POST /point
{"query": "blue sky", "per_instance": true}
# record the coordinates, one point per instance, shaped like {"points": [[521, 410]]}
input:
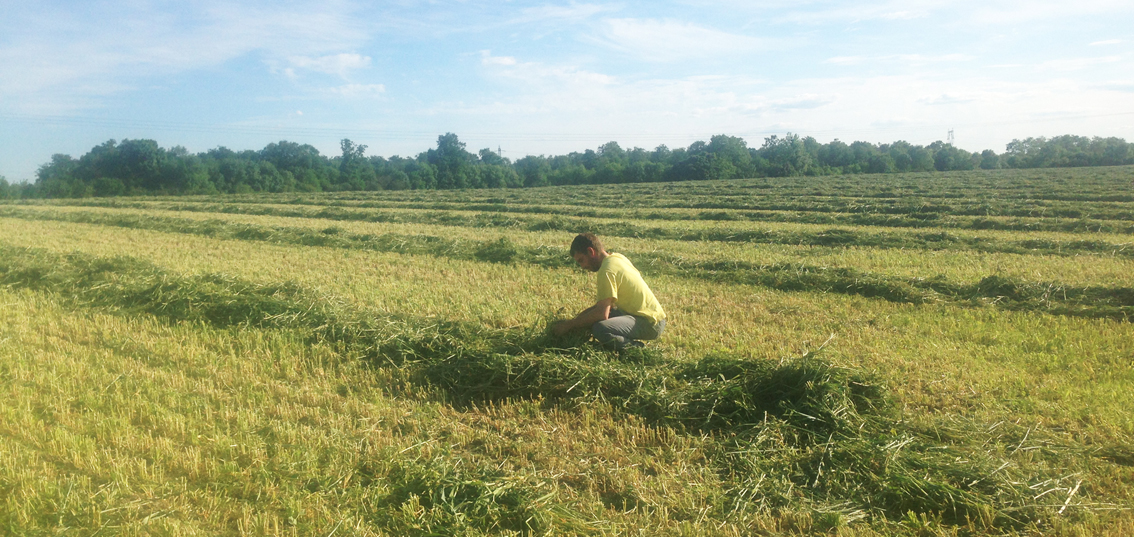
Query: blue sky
{"points": [[554, 77]]}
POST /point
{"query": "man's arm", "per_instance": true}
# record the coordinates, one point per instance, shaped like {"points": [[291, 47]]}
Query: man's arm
{"points": [[599, 312]]}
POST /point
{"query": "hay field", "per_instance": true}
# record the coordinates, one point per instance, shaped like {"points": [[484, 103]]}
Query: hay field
{"points": [[922, 354]]}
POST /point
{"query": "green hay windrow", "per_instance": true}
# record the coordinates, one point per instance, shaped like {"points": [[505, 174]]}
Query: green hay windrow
{"points": [[506, 218], [1064, 200], [1049, 297]]}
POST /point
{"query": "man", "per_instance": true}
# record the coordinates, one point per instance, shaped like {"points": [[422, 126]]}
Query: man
{"points": [[626, 311]]}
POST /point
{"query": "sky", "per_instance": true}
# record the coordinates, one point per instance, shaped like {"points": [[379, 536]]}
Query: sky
{"points": [[530, 77]]}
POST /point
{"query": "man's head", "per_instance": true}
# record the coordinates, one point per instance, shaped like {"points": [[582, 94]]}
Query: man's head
{"points": [[588, 251]]}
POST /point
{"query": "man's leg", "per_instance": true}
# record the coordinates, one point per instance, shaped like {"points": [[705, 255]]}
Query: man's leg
{"points": [[622, 329], [614, 331]]}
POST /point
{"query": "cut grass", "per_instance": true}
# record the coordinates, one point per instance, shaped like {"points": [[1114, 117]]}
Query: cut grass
{"points": [[1069, 199], [939, 239], [1081, 270], [1067, 373], [188, 427], [803, 425], [1050, 297]]}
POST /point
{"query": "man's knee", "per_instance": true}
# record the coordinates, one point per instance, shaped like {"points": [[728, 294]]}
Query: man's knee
{"points": [[604, 333]]}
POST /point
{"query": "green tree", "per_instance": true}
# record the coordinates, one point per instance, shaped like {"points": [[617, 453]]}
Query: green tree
{"points": [[734, 154], [921, 159], [786, 156], [355, 171], [836, 154], [989, 160], [451, 161], [612, 153], [900, 152], [880, 163], [661, 155], [295, 158], [108, 186], [491, 158], [949, 158], [534, 170], [139, 165], [422, 175], [498, 176], [570, 174], [54, 179]]}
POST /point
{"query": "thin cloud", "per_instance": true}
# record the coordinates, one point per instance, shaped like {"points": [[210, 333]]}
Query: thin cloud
{"points": [[1077, 64], [358, 90], [57, 47], [1001, 13], [1017, 12], [332, 64], [858, 12], [1123, 86], [846, 60], [1106, 42], [668, 40], [788, 104], [945, 98], [540, 74], [914, 60], [569, 13]]}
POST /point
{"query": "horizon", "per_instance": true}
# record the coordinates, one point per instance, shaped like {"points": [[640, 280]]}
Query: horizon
{"points": [[552, 78]]}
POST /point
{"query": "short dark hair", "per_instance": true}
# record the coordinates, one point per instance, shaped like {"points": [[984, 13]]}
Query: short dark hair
{"points": [[583, 241]]}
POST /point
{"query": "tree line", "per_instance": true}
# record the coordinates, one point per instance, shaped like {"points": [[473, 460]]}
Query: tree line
{"points": [[137, 167]]}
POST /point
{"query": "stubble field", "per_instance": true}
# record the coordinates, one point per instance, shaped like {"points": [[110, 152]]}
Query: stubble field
{"points": [[921, 354]]}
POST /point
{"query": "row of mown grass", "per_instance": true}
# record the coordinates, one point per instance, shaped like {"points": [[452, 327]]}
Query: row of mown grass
{"points": [[623, 227], [1115, 302], [1091, 219], [797, 435]]}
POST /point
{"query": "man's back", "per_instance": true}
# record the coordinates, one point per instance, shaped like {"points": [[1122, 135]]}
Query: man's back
{"points": [[618, 279]]}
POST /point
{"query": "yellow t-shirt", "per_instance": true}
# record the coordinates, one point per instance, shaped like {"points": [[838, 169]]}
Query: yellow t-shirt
{"points": [[618, 279]]}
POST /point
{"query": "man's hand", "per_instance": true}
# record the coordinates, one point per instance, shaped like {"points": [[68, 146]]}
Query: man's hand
{"points": [[599, 312]]}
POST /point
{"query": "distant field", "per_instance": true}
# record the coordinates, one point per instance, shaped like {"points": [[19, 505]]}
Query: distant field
{"points": [[921, 354]]}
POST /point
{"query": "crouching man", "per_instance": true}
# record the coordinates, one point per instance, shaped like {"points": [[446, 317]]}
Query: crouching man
{"points": [[625, 312]]}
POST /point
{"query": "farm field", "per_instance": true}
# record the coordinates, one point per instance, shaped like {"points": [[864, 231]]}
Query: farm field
{"points": [[918, 354]]}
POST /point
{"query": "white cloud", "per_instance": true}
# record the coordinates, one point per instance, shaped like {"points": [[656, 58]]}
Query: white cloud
{"points": [[846, 60], [52, 52], [1125, 86], [1106, 42], [358, 90], [1018, 12], [854, 12], [1004, 13], [332, 64], [571, 13], [945, 98], [542, 75], [902, 15], [669, 40], [488, 59], [763, 107], [911, 60], [1077, 64], [919, 107]]}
